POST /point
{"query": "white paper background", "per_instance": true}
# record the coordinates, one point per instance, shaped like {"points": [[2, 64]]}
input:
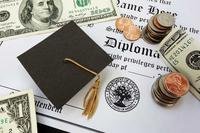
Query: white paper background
{"points": [[147, 116]]}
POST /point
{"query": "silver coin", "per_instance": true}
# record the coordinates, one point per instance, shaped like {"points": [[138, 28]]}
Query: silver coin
{"points": [[144, 31], [164, 97], [153, 27], [146, 38], [165, 19], [157, 98], [166, 102], [149, 29], [162, 88], [153, 38], [155, 22]]}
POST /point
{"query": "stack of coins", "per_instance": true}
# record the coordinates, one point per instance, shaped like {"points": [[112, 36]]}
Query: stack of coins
{"points": [[130, 31], [158, 27], [168, 89]]}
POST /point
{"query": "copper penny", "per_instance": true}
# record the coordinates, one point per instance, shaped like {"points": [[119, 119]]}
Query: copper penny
{"points": [[122, 23], [176, 83], [132, 33]]}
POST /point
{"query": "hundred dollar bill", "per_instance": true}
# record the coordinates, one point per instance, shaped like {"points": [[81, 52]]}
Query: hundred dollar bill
{"points": [[181, 52], [17, 113], [29, 17]]}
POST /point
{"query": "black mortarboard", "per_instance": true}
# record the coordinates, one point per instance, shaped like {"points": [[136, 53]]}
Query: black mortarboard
{"points": [[59, 80]]}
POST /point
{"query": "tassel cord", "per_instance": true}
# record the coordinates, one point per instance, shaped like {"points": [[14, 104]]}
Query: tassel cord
{"points": [[91, 98]]}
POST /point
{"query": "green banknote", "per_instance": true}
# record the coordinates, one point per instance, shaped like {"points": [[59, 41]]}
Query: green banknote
{"points": [[17, 113], [23, 17]]}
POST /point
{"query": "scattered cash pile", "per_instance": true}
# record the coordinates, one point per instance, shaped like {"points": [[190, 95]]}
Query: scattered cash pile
{"points": [[168, 89], [158, 27], [130, 31]]}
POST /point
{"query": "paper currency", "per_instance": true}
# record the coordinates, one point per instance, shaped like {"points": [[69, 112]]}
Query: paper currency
{"points": [[22, 17], [182, 53], [17, 113]]}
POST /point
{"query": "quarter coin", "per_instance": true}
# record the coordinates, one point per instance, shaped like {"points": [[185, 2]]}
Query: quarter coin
{"points": [[165, 20]]}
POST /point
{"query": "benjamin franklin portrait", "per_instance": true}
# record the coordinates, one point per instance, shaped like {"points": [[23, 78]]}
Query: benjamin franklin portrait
{"points": [[40, 14]]}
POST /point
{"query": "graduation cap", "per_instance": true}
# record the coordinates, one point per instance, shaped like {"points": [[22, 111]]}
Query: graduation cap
{"points": [[64, 63]]}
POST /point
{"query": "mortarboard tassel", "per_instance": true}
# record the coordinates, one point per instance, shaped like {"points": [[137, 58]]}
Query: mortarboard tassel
{"points": [[91, 98]]}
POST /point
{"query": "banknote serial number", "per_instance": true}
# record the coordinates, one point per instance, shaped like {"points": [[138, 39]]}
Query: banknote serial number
{"points": [[99, 11], [179, 50]]}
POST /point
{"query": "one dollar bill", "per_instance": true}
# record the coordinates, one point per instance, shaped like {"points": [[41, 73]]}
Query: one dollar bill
{"points": [[29, 17], [181, 53], [17, 113]]}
